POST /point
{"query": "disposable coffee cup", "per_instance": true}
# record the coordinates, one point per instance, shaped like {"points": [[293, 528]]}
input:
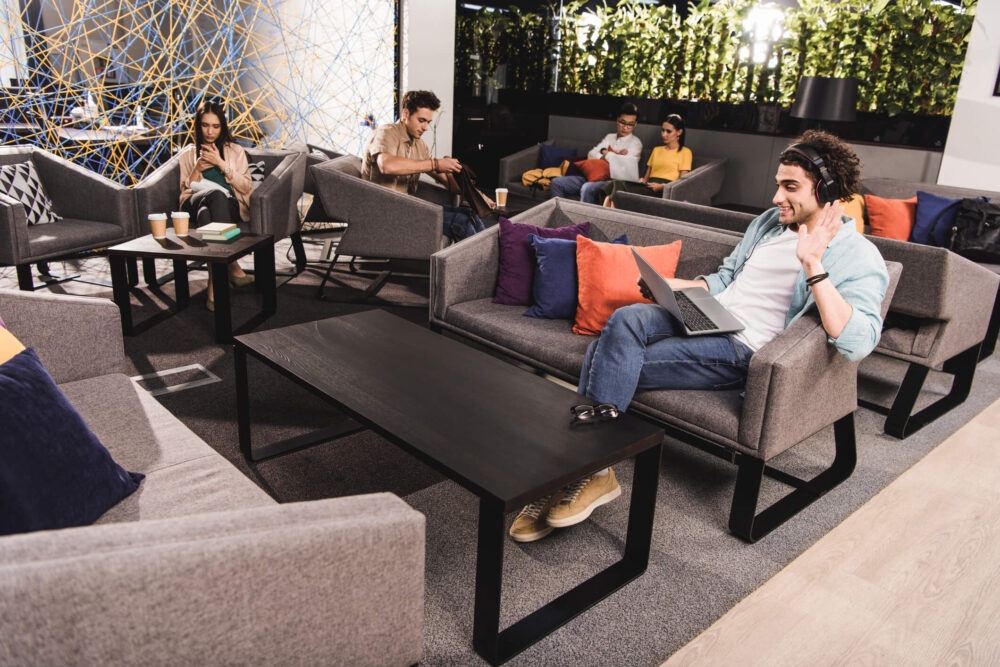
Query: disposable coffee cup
{"points": [[501, 197], [158, 225], [180, 220]]}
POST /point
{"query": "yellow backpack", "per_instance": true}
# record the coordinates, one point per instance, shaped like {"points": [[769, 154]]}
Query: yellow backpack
{"points": [[541, 178]]}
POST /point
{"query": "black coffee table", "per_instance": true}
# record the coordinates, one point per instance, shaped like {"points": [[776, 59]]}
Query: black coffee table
{"points": [[218, 255], [501, 432]]}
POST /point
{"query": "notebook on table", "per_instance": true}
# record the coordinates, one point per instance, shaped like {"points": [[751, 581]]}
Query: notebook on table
{"points": [[696, 310]]}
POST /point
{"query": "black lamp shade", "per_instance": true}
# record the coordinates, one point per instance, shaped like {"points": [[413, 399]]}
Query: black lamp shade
{"points": [[826, 99]]}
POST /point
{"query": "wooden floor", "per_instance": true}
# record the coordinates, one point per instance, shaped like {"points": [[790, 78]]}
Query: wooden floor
{"points": [[911, 578]]}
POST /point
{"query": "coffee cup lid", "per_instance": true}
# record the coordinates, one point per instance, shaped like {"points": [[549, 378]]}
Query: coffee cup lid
{"points": [[157, 216], [180, 214]]}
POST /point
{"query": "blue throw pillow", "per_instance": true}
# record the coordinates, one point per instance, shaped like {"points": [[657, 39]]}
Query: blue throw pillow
{"points": [[935, 217], [554, 286], [552, 156], [54, 472]]}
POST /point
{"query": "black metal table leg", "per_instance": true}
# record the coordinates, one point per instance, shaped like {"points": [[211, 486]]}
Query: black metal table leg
{"points": [[132, 266], [498, 647], [243, 402], [181, 283], [149, 271], [223, 307], [119, 288], [263, 262]]}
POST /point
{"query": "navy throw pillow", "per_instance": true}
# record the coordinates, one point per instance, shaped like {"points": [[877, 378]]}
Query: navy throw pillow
{"points": [[54, 472], [552, 156], [935, 217], [554, 287]]}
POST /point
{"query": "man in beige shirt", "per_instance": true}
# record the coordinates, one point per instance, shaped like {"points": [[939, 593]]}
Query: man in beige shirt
{"points": [[396, 156]]}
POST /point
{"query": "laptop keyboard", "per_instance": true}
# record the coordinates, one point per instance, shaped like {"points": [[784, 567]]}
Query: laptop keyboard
{"points": [[694, 319]]}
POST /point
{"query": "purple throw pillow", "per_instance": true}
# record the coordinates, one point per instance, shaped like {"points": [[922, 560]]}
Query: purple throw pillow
{"points": [[517, 261], [555, 286]]}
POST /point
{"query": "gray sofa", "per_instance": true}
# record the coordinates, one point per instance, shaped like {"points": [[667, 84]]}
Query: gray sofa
{"points": [[895, 188], [935, 320], [199, 565], [751, 432], [699, 185]]}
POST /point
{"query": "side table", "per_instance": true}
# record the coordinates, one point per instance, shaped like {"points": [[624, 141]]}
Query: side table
{"points": [[180, 250]]}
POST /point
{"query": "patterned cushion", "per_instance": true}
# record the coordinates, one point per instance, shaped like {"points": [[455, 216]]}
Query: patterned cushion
{"points": [[20, 182], [258, 172]]}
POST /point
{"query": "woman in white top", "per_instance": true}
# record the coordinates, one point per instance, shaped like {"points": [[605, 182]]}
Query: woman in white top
{"points": [[218, 162]]}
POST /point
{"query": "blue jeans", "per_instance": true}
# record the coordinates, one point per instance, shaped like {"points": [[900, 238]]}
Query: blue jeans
{"points": [[577, 187], [641, 347]]}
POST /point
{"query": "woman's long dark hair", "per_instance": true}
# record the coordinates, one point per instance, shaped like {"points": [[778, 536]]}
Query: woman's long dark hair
{"points": [[678, 124], [225, 136]]}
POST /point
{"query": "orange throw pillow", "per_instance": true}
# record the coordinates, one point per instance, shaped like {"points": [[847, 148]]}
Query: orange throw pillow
{"points": [[595, 170], [855, 208], [608, 278], [9, 346], [891, 218]]}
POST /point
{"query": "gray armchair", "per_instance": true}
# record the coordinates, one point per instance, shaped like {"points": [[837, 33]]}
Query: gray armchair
{"points": [[95, 211], [273, 205], [381, 223]]}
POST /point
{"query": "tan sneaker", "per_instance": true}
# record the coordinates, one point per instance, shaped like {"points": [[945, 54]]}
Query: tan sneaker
{"points": [[583, 497], [530, 523]]}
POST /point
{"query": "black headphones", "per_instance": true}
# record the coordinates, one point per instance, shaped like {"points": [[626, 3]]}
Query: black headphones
{"points": [[827, 189]]}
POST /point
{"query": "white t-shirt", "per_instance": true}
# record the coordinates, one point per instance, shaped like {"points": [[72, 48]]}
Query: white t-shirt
{"points": [[762, 292], [622, 166]]}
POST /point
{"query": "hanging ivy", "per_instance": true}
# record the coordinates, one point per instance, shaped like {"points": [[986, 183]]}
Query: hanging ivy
{"points": [[907, 54]]}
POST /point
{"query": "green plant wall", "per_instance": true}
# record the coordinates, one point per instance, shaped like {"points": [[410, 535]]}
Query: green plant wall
{"points": [[906, 54]]}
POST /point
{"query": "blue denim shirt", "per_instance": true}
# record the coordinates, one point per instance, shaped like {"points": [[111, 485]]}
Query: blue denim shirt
{"points": [[856, 269]]}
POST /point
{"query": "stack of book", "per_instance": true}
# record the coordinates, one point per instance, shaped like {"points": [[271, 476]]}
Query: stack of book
{"points": [[218, 231]]}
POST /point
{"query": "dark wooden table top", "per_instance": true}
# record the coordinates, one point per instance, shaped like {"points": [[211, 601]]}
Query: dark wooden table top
{"points": [[496, 429], [191, 247]]}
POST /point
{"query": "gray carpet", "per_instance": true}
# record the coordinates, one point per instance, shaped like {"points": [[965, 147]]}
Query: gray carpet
{"points": [[697, 569]]}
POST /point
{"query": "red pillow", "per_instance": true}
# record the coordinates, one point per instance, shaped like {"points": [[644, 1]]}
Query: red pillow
{"points": [[595, 170], [891, 218], [608, 277]]}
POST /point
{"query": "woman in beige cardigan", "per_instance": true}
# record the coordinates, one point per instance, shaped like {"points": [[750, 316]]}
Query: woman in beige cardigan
{"points": [[215, 181]]}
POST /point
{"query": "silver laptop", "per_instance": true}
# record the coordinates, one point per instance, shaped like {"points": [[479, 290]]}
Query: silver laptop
{"points": [[697, 310]]}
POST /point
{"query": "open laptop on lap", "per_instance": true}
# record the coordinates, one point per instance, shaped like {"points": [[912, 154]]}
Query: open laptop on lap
{"points": [[697, 311]]}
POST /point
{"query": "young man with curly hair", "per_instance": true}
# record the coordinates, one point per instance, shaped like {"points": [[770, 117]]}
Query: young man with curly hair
{"points": [[801, 254]]}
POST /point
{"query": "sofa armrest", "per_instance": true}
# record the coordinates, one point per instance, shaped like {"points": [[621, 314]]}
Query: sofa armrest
{"points": [[512, 166], [796, 385], [699, 185], [76, 337], [160, 191], [465, 271], [13, 232], [80, 193], [271, 204], [337, 581]]}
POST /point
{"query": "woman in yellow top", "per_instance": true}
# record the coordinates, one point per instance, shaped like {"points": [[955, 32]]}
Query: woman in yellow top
{"points": [[215, 181], [666, 163]]}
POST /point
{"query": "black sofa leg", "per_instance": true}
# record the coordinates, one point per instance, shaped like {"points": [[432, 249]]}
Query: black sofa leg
{"points": [[25, 282], [749, 525], [900, 421]]}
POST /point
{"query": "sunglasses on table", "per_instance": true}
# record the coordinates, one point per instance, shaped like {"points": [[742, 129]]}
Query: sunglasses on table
{"points": [[584, 413]]}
